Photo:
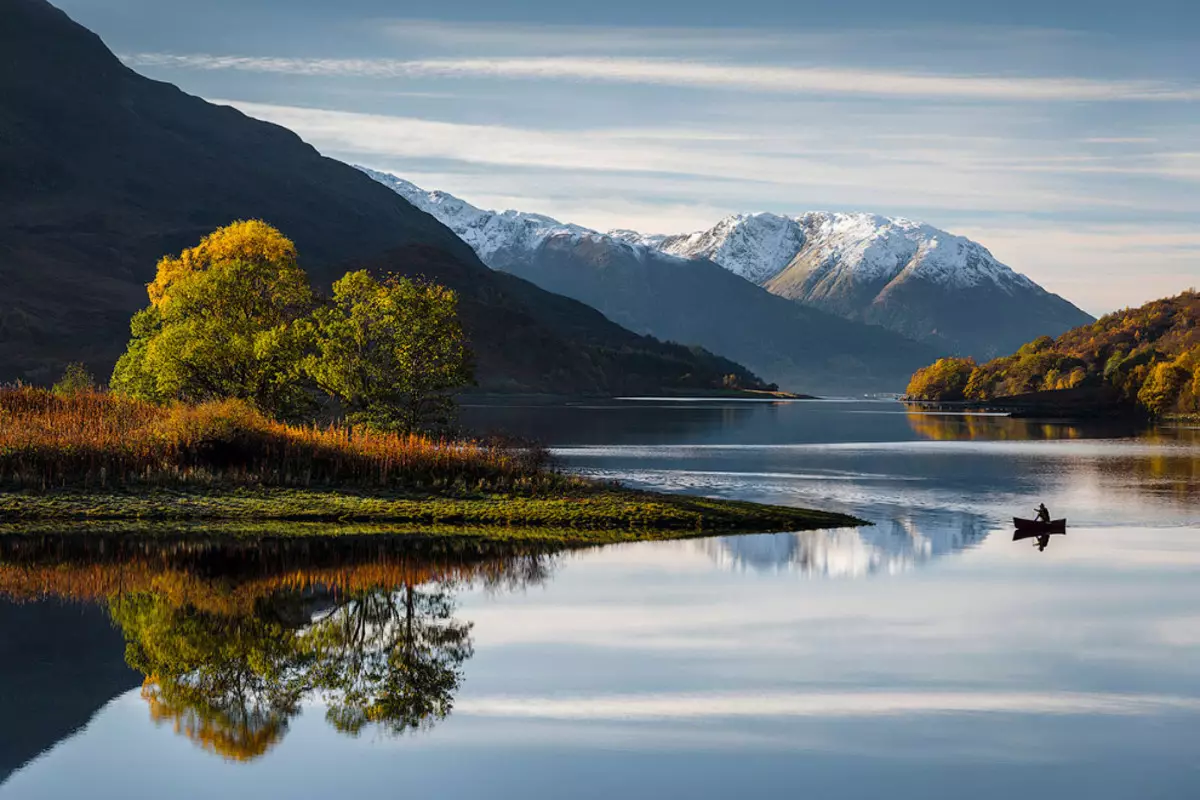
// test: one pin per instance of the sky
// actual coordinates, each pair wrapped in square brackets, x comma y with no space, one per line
[1064,136]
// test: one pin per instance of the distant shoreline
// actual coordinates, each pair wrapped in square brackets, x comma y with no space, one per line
[477,397]
[1064,404]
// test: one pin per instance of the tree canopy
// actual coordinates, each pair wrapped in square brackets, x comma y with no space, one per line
[226,319]
[392,352]
[236,317]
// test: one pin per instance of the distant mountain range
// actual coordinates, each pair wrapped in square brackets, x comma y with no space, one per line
[102,171]
[909,277]
[682,299]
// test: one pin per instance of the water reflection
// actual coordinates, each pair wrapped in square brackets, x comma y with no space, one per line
[598,421]
[1039,540]
[946,427]
[893,545]
[233,637]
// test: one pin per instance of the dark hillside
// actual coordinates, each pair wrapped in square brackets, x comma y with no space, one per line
[801,348]
[102,171]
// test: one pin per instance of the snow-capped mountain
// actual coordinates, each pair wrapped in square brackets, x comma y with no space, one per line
[914,279]
[683,299]
[911,277]
[867,247]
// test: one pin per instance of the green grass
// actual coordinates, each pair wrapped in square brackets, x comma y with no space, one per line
[599,515]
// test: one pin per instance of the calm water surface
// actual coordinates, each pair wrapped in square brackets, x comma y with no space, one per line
[925,656]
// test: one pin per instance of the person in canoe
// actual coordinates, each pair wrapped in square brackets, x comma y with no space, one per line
[1043,513]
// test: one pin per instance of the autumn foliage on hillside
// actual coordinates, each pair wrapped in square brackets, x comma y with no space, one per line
[1149,355]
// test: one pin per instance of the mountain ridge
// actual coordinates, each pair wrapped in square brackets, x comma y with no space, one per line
[907,276]
[680,299]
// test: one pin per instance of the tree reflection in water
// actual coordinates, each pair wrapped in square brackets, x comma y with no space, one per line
[233,637]
[951,427]
[1159,463]
[230,684]
[392,659]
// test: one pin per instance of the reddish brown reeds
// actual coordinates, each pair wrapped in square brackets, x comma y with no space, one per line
[96,439]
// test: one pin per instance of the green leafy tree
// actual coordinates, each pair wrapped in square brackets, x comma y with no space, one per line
[75,380]
[1162,389]
[392,352]
[228,318]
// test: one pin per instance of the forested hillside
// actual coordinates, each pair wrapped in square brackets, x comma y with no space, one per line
[1148,357]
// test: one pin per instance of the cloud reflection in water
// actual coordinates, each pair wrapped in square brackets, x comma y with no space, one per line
[889,547]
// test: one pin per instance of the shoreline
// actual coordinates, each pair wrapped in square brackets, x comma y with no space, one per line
[488,398]
[596,516]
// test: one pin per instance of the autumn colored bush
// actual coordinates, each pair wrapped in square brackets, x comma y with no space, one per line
[944,379]
[99,439]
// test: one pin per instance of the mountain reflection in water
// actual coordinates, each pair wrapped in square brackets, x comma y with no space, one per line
[233,636]
[891,546]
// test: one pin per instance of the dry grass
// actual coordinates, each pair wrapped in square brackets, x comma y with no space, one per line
[98,440]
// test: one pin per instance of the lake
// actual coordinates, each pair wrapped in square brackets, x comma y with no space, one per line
[927,655]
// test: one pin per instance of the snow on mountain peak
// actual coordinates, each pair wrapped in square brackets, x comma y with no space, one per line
[866,248]
[754,246]
[489,233]
[862,248]
[874,249]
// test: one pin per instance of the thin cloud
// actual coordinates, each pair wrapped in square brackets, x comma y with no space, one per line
[544,38]
[825,704]
[698,74]
[368,138]
[1120,140]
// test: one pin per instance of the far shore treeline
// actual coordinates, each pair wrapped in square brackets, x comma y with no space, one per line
[1146,358]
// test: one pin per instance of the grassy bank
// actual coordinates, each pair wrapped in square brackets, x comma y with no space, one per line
[606,515]
[600,508]
[99,459]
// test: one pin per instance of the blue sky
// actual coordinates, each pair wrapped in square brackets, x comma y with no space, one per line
[1065,136]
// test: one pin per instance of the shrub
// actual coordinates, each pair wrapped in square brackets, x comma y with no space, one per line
[75,379]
